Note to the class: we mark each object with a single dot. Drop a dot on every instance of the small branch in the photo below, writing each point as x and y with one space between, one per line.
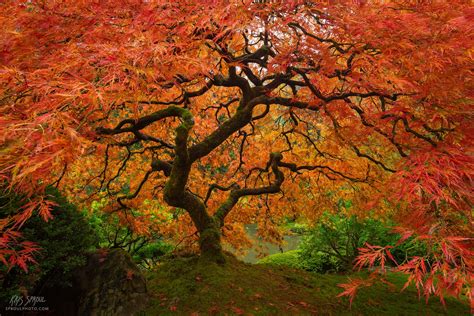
137 191
135 125
214 186
237 193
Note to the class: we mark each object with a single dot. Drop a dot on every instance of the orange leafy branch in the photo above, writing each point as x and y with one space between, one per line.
370 255
353 286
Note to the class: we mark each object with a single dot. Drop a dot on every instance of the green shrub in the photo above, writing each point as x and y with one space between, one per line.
291 224
332 244
63 242
148 254
289 258
145 250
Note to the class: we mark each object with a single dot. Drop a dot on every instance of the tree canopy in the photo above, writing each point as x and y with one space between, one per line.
231 112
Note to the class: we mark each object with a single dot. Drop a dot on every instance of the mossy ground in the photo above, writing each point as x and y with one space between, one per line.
188 286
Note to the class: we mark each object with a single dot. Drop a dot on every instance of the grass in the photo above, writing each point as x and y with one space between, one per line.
188 286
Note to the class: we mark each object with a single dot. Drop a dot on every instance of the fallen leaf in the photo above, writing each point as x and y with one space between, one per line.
237 310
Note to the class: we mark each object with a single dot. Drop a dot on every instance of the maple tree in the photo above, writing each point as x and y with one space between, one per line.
244 111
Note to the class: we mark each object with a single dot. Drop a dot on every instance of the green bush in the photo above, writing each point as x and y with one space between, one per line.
153 250
295 227
145 250
289 258
332 244
63 242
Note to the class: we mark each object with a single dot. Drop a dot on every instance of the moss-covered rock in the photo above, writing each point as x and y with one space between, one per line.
111 284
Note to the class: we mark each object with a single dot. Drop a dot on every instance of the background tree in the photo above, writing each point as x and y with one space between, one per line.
279 107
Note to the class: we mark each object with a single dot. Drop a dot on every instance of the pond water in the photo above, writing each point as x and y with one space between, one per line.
291 243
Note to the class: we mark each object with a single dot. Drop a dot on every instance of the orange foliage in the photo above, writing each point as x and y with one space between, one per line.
365 100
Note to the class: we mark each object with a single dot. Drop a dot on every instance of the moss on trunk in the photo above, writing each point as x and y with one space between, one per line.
211 246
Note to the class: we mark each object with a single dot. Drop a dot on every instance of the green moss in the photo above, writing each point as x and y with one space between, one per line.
188 118
211 249
288 259
187 285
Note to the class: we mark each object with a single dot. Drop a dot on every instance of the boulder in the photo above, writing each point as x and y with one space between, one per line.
111 284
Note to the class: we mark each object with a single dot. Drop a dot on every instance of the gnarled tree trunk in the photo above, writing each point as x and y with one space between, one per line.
210 244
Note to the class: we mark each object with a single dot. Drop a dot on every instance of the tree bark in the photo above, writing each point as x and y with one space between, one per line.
210 243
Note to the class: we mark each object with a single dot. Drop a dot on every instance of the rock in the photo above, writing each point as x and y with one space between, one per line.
111 284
